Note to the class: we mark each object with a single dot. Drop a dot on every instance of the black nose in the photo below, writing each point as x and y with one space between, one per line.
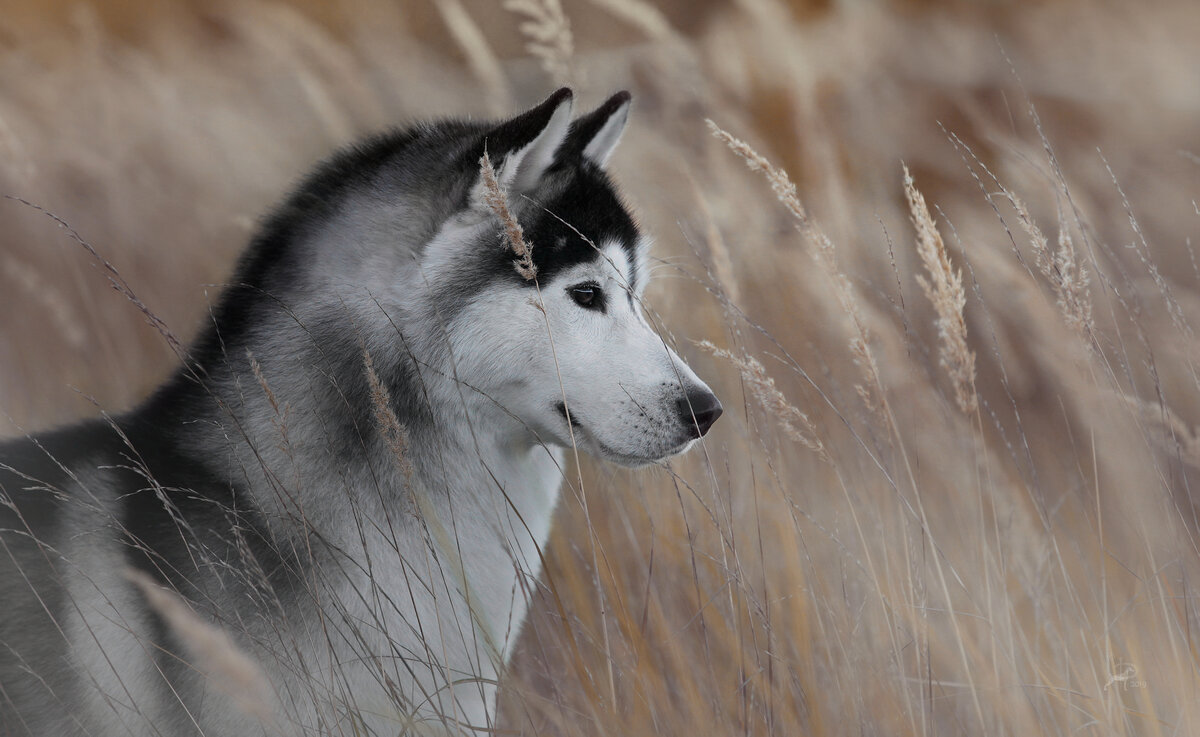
704 406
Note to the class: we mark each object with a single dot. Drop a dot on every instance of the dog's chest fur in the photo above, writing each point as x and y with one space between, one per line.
427 584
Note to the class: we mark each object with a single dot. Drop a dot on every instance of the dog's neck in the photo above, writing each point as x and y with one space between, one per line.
456 507
326 453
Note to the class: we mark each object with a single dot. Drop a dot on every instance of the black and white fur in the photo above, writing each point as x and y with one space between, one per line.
380 594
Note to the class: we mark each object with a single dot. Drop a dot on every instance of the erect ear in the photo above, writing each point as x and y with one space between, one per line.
596 134
523 148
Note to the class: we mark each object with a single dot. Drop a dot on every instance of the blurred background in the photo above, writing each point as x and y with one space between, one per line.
935 505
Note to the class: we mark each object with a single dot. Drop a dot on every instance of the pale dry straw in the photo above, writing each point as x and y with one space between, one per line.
649 19
395 434
781 183
228 668
549 32
944 288
48 296
1167 427
1068 276
495 199
824 254
478 51
722 260
795 423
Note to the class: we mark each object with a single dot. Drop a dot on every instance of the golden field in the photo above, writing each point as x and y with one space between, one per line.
952 492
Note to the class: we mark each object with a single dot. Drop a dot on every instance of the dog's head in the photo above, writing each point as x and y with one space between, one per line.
399 224
568 352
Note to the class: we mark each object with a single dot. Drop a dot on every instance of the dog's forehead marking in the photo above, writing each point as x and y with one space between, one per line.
615 256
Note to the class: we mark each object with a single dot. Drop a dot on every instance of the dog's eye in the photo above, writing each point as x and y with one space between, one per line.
587 295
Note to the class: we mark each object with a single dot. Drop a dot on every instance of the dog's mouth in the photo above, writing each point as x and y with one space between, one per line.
586 439
568 417
638 461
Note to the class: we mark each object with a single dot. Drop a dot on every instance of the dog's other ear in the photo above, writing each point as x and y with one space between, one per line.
596 134
523 148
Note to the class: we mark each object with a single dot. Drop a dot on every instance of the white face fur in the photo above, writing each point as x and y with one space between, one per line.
625 390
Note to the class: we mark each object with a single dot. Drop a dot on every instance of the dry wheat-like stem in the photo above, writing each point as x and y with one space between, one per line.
282 411
1071 283
50 297
860 351
475 47
944 288
550 39
1170 426
722 260
1068 276
115 280
18 161
395 434
645 16
214 653
256 369
762 386
824 254
781 183
494 197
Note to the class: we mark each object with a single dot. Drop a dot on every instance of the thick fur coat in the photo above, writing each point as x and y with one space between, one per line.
354 472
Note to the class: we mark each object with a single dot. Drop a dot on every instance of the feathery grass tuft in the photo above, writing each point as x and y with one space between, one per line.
795 423
395 434
1068 276
549 34
214 653
944 288
871 390
495 199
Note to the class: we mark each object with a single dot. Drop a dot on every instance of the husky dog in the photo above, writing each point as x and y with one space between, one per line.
347 485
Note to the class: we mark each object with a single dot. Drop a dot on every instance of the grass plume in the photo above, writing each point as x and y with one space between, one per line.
944 288
795 423
227 666
1068 276
394 433
825 254
514 235
549 32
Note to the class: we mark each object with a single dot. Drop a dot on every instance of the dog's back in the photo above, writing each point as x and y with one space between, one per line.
33 659
82 507
57 567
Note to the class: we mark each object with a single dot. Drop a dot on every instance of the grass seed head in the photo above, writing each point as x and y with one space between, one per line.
514 235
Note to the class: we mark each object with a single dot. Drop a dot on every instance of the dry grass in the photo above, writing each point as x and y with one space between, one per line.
944 288
394 433
497 201
1028 566
231 671
763 387
549 35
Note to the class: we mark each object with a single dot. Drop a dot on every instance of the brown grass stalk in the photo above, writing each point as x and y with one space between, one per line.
794 422
496 200
824 253
227 667
549 32
944 288
479 54
394 433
